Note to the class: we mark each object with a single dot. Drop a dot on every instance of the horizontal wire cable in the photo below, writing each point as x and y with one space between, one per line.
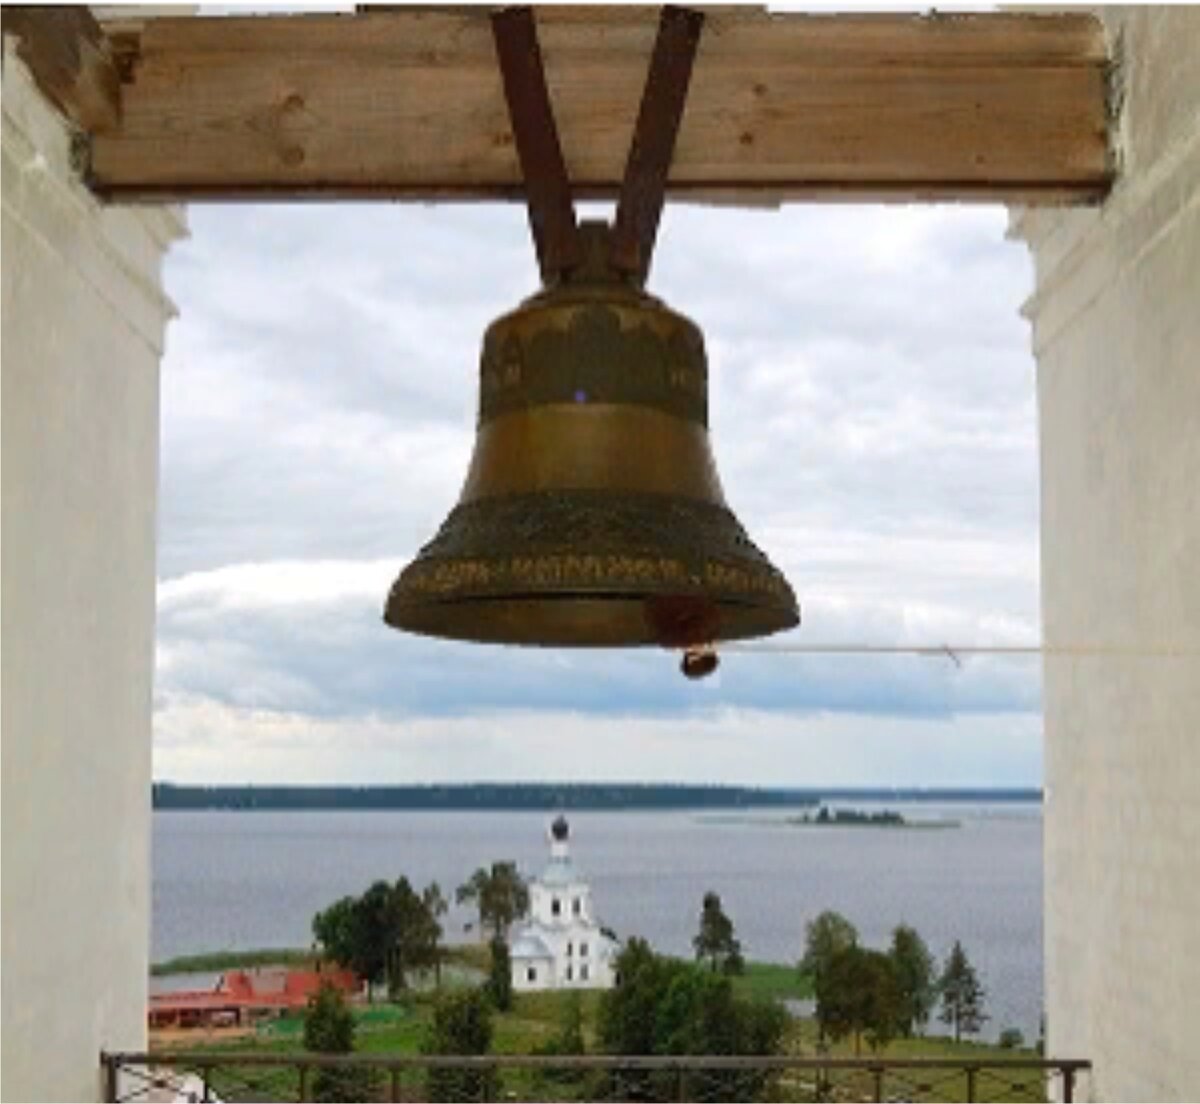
953 650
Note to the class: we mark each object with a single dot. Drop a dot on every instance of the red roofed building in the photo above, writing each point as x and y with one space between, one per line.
244 995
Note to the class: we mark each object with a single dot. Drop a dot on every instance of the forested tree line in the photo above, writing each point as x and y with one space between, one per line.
540 796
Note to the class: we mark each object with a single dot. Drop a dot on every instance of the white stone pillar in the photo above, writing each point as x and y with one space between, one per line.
1116 330
83 324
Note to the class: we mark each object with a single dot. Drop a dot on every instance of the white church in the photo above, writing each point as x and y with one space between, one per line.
560 944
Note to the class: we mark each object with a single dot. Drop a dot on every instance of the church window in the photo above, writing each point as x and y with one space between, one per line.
555 907
570 949
568 973
583 950
583 973
577 906
531 973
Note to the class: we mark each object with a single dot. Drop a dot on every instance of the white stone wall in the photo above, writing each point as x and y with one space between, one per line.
542 898
545 978
83 321
1116 330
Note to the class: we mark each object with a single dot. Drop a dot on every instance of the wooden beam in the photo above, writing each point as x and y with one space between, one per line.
409 104
70 60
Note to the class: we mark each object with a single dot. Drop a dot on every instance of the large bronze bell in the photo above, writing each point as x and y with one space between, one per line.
592 514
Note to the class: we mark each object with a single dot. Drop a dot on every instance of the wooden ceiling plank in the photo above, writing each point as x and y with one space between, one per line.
410 104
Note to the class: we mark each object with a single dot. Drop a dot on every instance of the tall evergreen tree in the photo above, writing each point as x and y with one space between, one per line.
962 994
915 976
715 943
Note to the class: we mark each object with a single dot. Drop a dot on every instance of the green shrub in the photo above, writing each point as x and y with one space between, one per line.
1011 1039
462 1024
329 1029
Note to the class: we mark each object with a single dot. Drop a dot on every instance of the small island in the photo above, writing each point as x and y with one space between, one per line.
857 818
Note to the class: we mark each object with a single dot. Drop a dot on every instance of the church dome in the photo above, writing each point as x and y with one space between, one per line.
560 830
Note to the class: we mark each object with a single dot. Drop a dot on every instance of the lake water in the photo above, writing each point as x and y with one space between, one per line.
241 880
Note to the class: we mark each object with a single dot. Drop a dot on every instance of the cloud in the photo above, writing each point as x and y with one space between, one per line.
300 633
206 743
873 421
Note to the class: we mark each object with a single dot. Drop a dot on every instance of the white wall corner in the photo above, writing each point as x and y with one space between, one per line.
1154 147
44 191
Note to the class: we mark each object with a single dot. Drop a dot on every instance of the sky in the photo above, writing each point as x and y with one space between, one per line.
874 423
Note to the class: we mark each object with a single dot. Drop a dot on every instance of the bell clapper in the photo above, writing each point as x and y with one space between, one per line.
699 661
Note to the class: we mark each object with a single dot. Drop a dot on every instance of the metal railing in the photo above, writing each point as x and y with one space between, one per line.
232 1076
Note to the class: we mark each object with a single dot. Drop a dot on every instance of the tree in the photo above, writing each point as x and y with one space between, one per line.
355 932
627 1011
412 935
914 968
499 895
436 906
715 942
857 994
333 929
664 1006
462 1024
962 995
329 1029
499 983
824 938
372 926
628 1016
386 933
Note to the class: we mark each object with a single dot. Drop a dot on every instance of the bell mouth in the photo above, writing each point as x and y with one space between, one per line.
591 568
571 621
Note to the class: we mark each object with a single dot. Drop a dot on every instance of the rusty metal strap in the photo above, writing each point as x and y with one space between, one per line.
547 187
643 188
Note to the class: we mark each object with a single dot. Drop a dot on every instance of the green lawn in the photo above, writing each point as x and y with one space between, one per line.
473 956
772 981
385 1028
232 960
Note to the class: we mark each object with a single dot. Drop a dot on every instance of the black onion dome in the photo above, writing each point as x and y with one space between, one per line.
559 829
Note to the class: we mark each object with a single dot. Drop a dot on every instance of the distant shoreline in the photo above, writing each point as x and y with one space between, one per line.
548 797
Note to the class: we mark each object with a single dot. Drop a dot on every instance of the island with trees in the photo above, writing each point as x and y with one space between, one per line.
825 817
